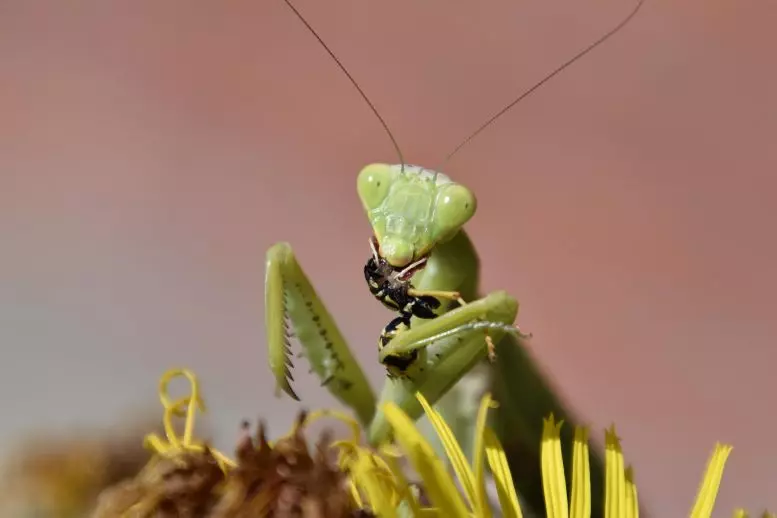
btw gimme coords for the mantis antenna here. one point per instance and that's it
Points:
(545, 79)
(353, 82)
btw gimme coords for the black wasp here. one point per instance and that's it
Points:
(392, 287)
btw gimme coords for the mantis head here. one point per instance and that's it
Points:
(412, 209)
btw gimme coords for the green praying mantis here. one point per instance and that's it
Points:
(413, 212)
(420, 256)
(436, 351)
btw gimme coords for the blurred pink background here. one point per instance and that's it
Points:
(150, 152)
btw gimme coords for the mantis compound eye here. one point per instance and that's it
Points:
(373, 185)
(455, 205)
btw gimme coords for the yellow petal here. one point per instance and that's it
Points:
(182, 407)
(352, 423)
(478, 460)
(740, 513)
(554, 485)
(346, 458)
(632, 502)
(580, 505)
(379, 494)
(615, 479)
(369, 472)
(193, 402)
(708, 491)
(454, 453)
(392, 460)
(505, 488)
(439, 485)
(354, 490)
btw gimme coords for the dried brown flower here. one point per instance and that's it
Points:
(275, 481)
(285, 480)
(188, 479)
(181, 486)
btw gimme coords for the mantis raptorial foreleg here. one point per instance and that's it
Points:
(290, 297)
(451, 345)
(440, 294)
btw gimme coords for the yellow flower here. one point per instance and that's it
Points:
(375, 481)
(620, 491)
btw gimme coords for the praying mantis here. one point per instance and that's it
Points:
(413, 212)
(417, 217)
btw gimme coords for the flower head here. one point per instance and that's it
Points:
(283, 479)
(620, 490)
(186, 478)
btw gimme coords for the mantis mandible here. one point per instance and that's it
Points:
(419, 250)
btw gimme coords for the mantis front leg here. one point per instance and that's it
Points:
(450, 346)
(290, 297)
(440, 294)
